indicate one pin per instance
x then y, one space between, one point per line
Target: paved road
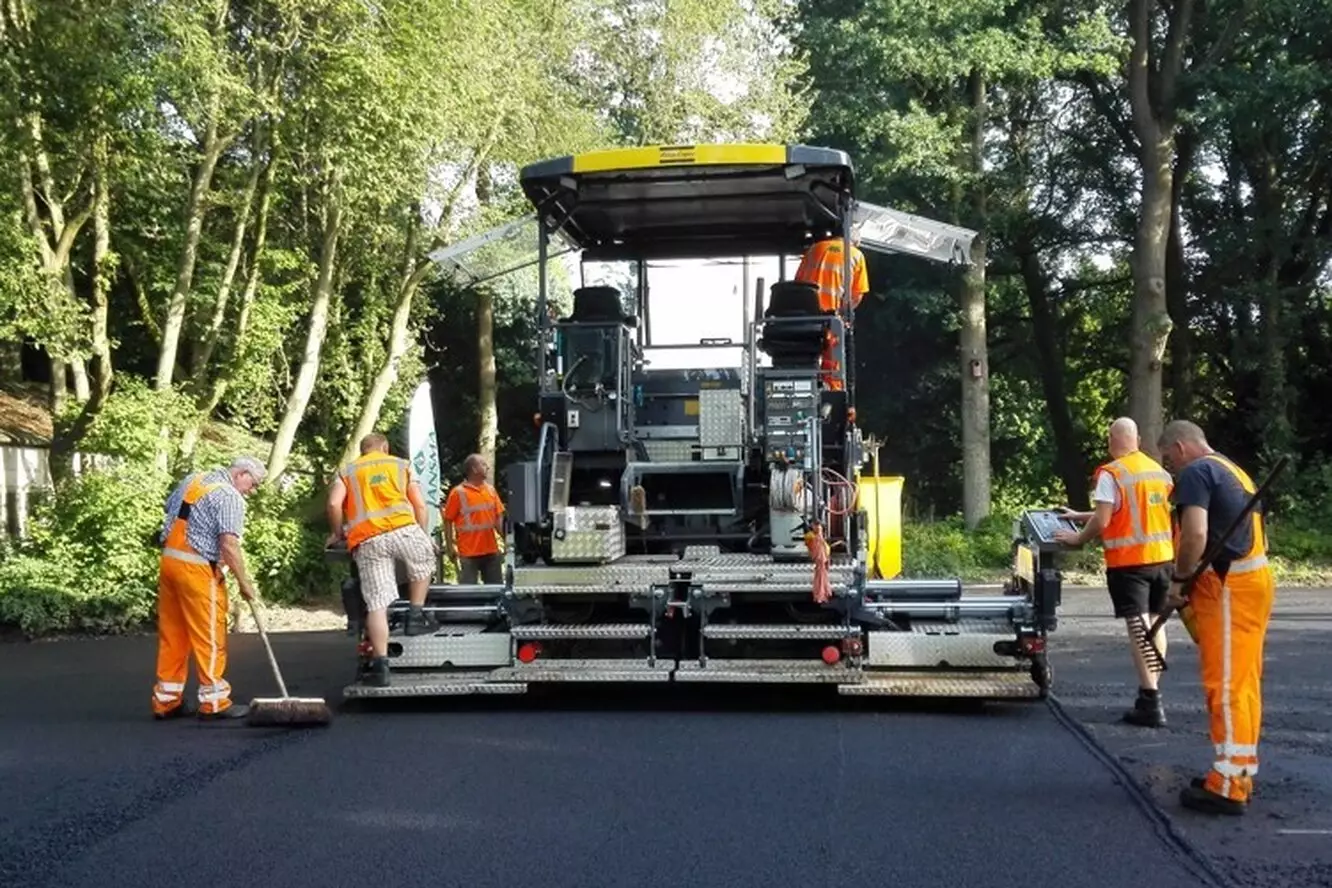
727 788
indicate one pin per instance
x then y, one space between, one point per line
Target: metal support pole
543 321
848 304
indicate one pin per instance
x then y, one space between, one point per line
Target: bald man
1132 520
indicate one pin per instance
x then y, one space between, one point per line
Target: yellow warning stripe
677 155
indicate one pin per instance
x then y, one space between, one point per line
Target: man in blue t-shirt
1231 603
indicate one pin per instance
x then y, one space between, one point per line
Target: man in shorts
377 508
1132 518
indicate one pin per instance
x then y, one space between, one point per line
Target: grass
1300 555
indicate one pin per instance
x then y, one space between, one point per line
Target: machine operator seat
793 324
599 305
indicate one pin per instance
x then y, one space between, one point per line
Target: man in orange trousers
1231 605
205 520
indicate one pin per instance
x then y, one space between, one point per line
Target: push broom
1146 638
285 710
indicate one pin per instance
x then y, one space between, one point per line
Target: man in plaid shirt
201 534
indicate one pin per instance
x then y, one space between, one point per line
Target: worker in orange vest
823 265
376 507
473 521
1132 519
1231 605
205 520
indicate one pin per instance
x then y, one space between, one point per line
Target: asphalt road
697 786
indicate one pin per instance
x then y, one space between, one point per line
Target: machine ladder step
777 631
551 631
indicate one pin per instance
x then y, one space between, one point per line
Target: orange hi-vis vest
376 497
1140 531
824 264
1256 558
476 518
177 546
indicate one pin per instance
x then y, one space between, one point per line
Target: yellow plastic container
881 498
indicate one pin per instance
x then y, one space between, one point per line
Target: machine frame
619 565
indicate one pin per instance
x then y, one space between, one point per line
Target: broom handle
272 660
1210 556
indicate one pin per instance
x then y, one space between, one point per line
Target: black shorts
1139 590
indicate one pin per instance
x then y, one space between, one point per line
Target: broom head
288 711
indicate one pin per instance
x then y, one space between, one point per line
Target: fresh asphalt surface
581 787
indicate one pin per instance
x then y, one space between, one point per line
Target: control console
1039 527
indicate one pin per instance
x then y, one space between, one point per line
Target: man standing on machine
823 265
473 516
377 507
1232 605
1132 519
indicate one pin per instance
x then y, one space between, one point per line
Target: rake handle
1211 555
272 660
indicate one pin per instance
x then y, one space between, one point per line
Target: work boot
180 711
234 711
376 673
1199 798
1147 711
418 622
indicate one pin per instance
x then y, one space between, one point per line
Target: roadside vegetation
215 221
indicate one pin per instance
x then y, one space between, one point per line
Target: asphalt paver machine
728 523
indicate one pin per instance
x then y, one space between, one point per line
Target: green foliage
947 549
88 563
284 545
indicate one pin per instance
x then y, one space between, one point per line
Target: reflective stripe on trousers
1231 620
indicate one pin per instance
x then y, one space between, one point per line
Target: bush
89 563
946 549
284 545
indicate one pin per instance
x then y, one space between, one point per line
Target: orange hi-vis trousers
1231 622
191 620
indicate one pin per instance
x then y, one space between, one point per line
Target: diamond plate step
766 671
437 685
981 685
777 631
542 631
587 670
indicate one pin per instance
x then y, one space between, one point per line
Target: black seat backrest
597 304
793 298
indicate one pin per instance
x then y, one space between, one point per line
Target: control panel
788 406
1039 527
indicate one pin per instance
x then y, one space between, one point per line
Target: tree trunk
200 357
1152 99
221 380
1177 284
1151 318
1050 359
299 398
66 441
975 369
488 433
398 341
194 219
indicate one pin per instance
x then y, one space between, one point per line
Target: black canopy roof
693 201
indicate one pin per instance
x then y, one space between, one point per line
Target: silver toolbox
588 534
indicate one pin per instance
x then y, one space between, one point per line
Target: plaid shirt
221 511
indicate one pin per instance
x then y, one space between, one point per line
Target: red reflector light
831 655
851 647
1034 645
528 652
